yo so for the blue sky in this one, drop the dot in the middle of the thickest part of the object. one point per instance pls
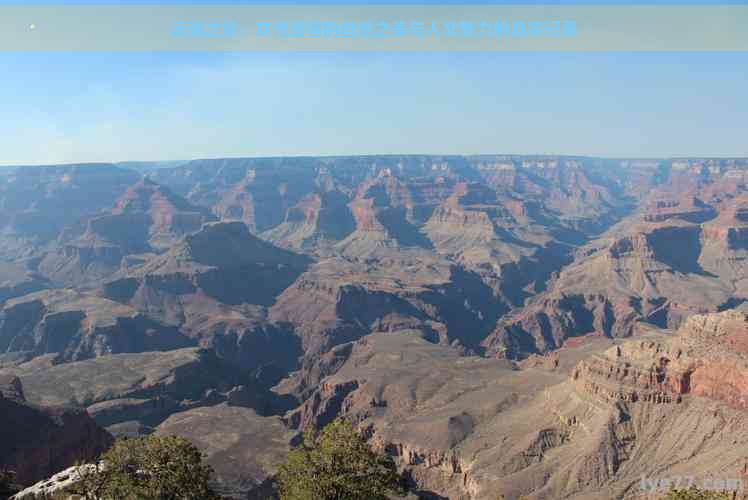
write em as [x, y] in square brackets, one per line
[69, 107]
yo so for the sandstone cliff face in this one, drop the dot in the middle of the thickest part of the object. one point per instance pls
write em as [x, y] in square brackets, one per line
[706, 358]
[38, 442]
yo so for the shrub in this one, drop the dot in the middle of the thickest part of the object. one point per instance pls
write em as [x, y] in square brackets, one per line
[337, 464]
[149, 468]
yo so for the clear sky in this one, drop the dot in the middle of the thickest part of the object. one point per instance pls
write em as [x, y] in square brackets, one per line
[69, 107]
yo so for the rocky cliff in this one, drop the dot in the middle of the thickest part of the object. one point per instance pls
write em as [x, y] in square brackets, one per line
[39, 441]
[587, 425]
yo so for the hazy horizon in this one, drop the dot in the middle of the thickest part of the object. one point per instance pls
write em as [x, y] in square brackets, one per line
[173, 162]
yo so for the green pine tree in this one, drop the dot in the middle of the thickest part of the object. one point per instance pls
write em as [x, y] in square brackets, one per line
[150, 468]
[337, 464]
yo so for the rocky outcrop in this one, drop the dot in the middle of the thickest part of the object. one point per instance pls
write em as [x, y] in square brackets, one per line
[169, 216]
[57, 485]
[390, 211]
[404, 393]
[39, 441]
[707, 358]
[729, 231]
[214, 287]
[302, 383]
[689, 209]
[257, 193]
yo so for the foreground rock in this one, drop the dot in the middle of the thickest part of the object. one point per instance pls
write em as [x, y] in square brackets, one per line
[56, 485]
[425, 403]
[708, 357]
[39, 441]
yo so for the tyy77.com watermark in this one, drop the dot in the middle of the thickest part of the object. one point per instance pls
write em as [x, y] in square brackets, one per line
[665, 484]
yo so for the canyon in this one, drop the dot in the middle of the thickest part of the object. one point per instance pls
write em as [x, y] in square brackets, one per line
[540, 326]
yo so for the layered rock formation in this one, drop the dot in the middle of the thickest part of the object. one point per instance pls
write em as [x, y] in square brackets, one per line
[316, 222]
[587, 425]
[169, 216]
[223, 261]
[255, 192]
[335, 302]
[708, 357]
[659, 266]
[147, 218]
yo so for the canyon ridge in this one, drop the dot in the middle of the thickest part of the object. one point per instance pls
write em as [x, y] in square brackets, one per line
[544, 327]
